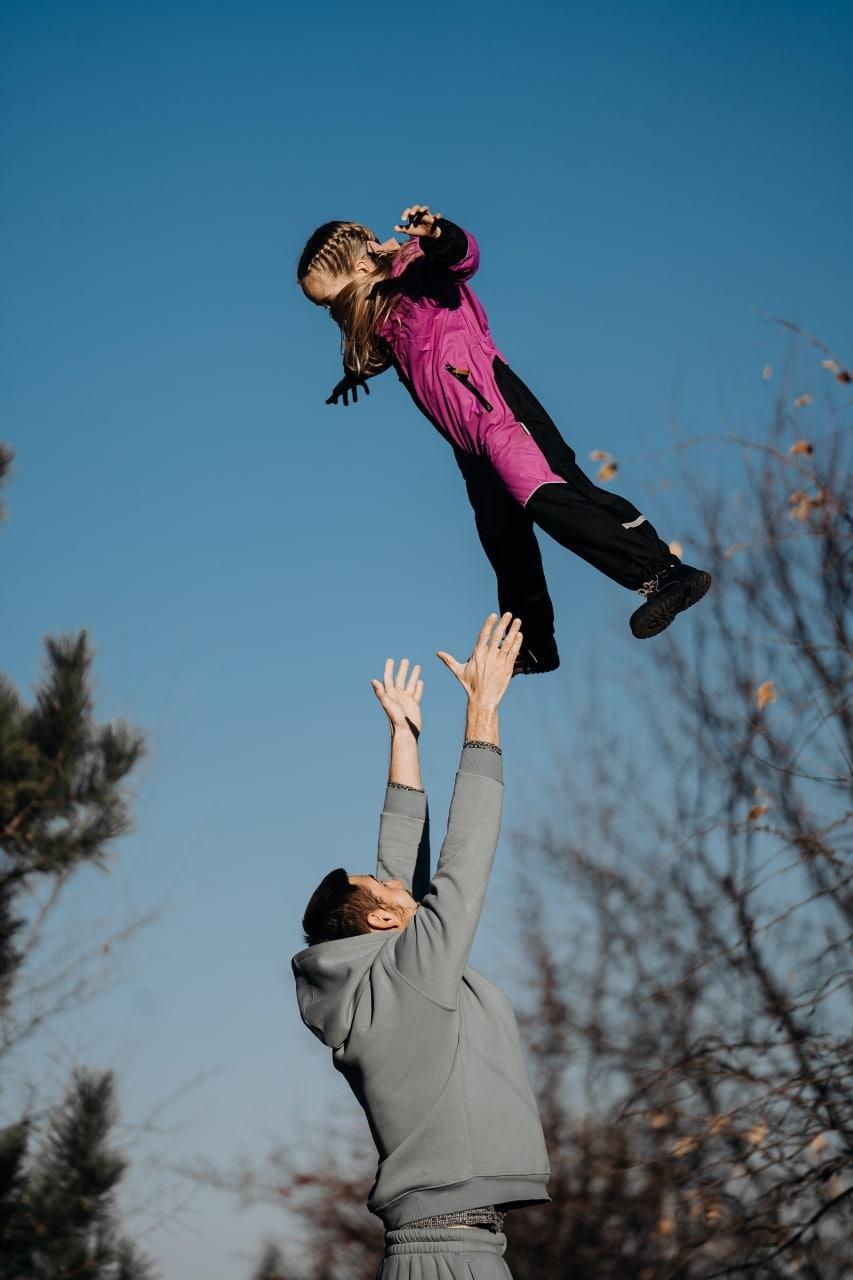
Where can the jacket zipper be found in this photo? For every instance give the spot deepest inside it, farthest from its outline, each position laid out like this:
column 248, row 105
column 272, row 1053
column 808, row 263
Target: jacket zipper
column 464, row 376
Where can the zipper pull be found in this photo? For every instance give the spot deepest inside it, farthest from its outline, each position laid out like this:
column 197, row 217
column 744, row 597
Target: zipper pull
column 463, row 376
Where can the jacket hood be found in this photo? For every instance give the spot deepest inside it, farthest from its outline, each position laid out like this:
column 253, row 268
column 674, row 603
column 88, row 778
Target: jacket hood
column 329, row 977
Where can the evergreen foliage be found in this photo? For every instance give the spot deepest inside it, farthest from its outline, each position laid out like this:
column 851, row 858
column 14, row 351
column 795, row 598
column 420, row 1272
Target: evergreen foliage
column 62, row 802
column 6, row 457
column 61, row 798
column 57, row 1214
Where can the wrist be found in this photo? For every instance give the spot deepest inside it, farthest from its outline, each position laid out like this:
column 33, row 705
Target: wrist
column 403, row 731
column 481, row 723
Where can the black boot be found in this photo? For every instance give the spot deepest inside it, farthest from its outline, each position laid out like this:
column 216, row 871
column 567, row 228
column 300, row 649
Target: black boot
column 669, row 592
column 536, row 657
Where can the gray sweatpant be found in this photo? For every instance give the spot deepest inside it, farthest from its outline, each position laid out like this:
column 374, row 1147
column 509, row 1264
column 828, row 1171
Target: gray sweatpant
column 449, row 1253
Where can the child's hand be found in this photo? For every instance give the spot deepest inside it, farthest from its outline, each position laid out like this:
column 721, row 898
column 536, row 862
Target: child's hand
column 421, row 221
column 348, row 385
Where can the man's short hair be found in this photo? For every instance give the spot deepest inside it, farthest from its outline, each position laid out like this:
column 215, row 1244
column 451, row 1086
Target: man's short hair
column 337, row 909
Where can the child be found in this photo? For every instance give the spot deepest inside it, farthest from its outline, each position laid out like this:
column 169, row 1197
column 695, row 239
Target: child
column 409, row 306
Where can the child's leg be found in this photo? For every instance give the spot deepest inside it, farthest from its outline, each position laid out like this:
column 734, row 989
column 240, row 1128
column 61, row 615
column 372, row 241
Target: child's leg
column 509, row 541
column 605, row 530
column 599, row 526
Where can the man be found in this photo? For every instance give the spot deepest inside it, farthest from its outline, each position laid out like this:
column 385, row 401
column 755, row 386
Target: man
column 428, row 1046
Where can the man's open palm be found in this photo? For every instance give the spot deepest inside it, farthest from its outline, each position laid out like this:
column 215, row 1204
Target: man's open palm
column 487, row 673
column 400, row 695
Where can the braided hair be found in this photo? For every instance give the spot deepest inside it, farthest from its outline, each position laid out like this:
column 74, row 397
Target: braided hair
column 363, row 304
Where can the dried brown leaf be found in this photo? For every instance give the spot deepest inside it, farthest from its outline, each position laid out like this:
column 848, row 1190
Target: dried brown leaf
column 765, row 694
column 801, row 446
column 803, row 400
column 800, row 505
column 817, row 1144
column 757, row 811
column 676, row 549
column 608, row 471
column 767, row 372
column 683, row 1146
column 831, row 365
column 599, row 455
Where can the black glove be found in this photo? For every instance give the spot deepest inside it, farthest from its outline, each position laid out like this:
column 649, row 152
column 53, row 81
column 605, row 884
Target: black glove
column 348, row 385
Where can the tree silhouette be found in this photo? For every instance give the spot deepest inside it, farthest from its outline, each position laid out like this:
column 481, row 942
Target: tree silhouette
column 62, row 804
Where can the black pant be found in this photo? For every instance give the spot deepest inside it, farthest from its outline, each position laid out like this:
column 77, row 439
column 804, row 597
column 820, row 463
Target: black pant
column 601, row 527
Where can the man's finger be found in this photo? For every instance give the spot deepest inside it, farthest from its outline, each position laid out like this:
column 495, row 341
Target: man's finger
column 388, row 674
column 419, row 688
column 499, row 632
column 513, row 631
column 514, row 645
column 485, row 631
column 413, row 679
column 400, row 682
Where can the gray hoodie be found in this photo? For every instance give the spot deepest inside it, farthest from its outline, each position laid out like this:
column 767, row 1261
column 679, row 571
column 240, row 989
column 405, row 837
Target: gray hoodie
column 429, row 1046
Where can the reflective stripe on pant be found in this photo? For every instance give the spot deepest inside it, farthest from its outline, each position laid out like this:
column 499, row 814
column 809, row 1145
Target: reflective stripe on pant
column 460, row 1253
column 601, row 527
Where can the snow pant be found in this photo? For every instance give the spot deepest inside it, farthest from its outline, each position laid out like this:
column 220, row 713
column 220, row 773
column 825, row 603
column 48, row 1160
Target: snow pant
column 601, row 527
column 466, row 1253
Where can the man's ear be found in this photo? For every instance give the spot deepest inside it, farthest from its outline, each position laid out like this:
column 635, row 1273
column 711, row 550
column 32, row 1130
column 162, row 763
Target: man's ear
column 381, row 919
column 364, row 266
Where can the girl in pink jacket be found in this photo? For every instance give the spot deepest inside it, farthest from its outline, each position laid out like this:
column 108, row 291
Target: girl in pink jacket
column 410, row 306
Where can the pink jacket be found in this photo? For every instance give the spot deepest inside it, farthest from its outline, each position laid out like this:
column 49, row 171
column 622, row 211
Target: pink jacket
column 443, row 351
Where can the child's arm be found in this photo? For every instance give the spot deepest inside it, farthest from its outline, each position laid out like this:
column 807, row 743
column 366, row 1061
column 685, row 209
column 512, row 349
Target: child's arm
column 445, row 245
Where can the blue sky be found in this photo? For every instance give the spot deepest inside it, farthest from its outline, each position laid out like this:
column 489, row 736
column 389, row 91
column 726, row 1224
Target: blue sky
column 647, row 184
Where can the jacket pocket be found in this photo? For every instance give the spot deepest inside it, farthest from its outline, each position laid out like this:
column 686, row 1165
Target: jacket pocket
column 464, row 376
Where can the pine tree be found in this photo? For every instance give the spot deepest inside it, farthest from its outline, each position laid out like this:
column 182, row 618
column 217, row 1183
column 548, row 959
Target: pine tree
column 62, row 803
column 58, row 1215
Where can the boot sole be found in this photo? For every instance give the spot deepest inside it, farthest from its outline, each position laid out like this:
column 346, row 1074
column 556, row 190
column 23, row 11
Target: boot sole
column 655, row 618
column 535, row 671
column 531, row 666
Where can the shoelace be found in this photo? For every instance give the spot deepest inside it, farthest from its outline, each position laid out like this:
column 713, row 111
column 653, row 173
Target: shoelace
column 654, row 584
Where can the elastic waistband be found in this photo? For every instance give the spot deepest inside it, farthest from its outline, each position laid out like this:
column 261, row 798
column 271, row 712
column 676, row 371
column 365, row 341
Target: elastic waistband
column 443, row 1240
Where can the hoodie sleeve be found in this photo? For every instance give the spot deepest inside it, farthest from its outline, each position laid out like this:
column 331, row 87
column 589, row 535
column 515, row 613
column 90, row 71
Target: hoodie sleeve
column 454, row 253
column 404, row 840
column 432, row 952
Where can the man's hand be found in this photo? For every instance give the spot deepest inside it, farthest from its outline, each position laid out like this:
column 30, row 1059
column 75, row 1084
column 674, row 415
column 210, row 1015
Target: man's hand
column 401, row 696
column 348, row 386
column 420, row 221
column 486, row 675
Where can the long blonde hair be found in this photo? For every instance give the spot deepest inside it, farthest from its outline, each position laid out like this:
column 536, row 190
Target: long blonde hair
column 365, row 304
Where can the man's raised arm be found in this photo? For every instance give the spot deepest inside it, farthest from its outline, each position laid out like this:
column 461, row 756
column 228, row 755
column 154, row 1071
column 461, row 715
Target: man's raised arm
column 404, row 823
column 433, row 951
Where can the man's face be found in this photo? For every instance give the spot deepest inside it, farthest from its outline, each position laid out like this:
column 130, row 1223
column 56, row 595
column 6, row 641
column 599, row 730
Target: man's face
column 398, row 906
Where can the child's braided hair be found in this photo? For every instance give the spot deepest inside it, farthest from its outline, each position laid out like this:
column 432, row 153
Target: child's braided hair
column 360, row 307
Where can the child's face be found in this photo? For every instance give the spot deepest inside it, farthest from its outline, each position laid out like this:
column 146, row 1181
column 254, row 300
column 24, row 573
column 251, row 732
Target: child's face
column 321, row 286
